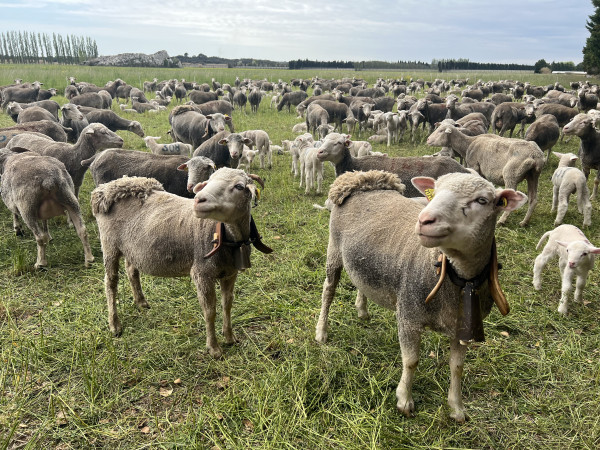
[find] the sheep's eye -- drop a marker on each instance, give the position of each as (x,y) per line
(239,187)
(584,254)
(482,201)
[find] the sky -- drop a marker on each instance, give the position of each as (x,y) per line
(504,31)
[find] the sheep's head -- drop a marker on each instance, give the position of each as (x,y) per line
(579,252)
(199,169)
(227,195)
(462,210)
(235,143)
(579,125)
(333,148)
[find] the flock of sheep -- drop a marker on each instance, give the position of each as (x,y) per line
(415,234)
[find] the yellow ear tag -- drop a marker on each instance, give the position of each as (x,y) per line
(429,193)
(504,202)
(257,194)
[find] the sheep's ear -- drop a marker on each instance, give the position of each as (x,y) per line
(227,117)
(90,131)
(183,167)
(558,154)
(199,187)
(562,243)
(425,185)
(595,250)
(448,130)
(509,199)
(574,158)
(247,141)
(223,142)
(347,142)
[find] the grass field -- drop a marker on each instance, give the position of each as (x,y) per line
(65,382)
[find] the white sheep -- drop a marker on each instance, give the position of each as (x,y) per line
(300,128)
(312,166)
(247,158)
(568,180)
(576,256)
(175,148)
(297,147)
(394,267)
(260,140)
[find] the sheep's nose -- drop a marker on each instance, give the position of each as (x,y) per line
(426,219)
(572,264)
(198,199)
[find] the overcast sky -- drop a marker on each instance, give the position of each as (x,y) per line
(520,31)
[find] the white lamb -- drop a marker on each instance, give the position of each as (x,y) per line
(312,166)
(566,181)
(247,158)
(576,257)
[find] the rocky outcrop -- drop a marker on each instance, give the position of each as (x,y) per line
(158,59)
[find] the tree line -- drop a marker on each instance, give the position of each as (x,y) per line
(28,47)
(439,65)
(464,64)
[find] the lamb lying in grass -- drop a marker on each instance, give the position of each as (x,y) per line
(568,180)
(576,256)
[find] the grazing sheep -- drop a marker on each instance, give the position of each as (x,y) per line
(135,220)
(297,147)
(240,99)
(37,188)
(70,92)
(217,107)
(503,161)
(114,122)
(291,98)
(589,149)
(507,116)
(254,98)
(372,236)
(19,94)
(338,112)
(51,129)
(194,128)
(91,99)
(566,181)
(175,148)
(260,140)
(200,97)
(576,256)
(177,174)
(544,132)
(335,148)
(316,115)
(94,138)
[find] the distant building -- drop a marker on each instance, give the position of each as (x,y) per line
(570,72)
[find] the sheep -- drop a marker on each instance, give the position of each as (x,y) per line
(544,132)
(335,148)
(217,107)
(70,92)
(37,188)
(372,236)
(587,100)
(338,112)
(144,107)
(48,105)
(194,128)
(507,116)
(396,126)
(312,166)
(274,100)
(563,114)
(595,115)
(177,174)
(502,161)
(51,129)
(74,119)
(94,138)
(300,128)
(254,98)
(359,148)
(114,122)
(150,86)
(567,180)
(576,256)
(32,114)
(124,92)
(224,148)
(291,98)
(19,95)
(110,87)
(175,148)
(240,99)
(91,99)
(316,115)
(260,140)
(589,148)
(246,158)
(200,97)
(135,220)
(300,144)
(106,99)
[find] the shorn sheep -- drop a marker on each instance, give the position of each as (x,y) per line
(389,245)
(576,256)
(135,221)
(173,148)
(567,180)
(37,188)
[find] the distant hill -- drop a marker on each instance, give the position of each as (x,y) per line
(201,58)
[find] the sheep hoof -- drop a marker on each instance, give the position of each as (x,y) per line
(459,416)
(321,337)
(408,408)
(141,305)
(117,330)
(216,352)
(562,309)
(524,223)
(88,262)
(19,232)
(41,266)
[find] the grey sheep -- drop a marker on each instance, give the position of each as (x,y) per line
(32,114)
(49,105)
(37,188)
(582,125)
(503,161)
(335,148)
(135,218)
(544,131)
(19,95)
(177,174)
(51,129)
(291,99)
(90,99)
(389,246)
(94,138)
(73,118)
(114,122)
(194,128)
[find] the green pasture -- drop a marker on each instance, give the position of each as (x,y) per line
(65,382)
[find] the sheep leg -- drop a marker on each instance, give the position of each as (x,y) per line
(270,158)
(17,225)
(111,282)
(540,262)
(532,187)
(563,205)
(566,288)
(227,285)
(208,301)
(579,285)
(136,287)
(457,361)
(77,222)
(555,192)
(410,342)
(361,306)
(596,182)
(319,176)
(261,155)
(334,270)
